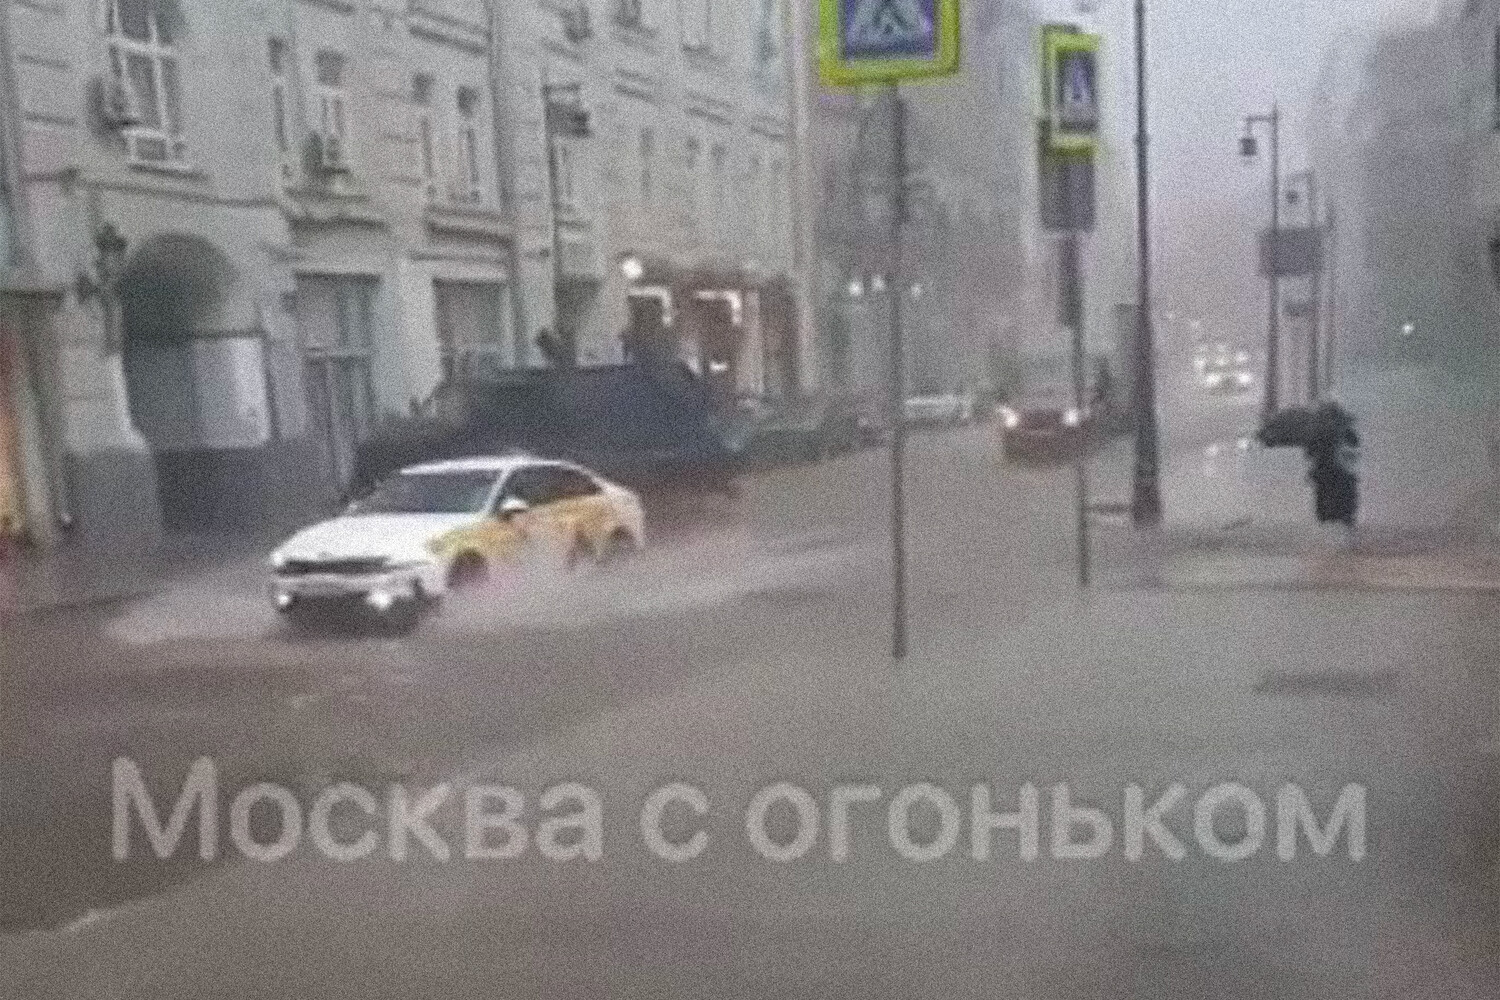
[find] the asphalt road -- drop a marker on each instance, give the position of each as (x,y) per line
(748,647)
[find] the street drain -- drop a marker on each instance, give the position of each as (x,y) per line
(1339,683)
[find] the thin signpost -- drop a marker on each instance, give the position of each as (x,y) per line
(1068,144)
(883,42)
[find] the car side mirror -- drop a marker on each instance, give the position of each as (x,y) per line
(512,507)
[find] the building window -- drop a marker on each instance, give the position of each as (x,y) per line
(332,104)
(776,200)
(143,61)
(1496,73)
(648,157)
(697,24)
(768,37)
(567,189)
(276,56)
(693,164)
(473,335)
(336,320)
(470,189)
(421,98)
(753,197)
(719,164)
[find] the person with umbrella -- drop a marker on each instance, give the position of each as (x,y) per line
(1328,437)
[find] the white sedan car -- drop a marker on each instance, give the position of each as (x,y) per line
(441,526)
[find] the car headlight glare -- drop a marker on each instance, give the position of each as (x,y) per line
(1073,418)
(1010,418)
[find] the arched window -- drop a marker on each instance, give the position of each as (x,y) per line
(143,36)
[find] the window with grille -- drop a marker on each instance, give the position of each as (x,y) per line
(332,109)
(143,60)
(421,98)
(470,188)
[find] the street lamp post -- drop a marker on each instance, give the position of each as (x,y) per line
(1145,504)
(1249,150)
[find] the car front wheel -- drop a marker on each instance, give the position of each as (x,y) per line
(468,571)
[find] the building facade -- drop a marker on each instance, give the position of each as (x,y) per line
(968,267)
(669,222)
(254,230)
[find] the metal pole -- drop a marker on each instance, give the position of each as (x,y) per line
(548,90)
(1333,300)
(1314,365)
(1146,491)
(896,289)
(1273,336)
(1072,303)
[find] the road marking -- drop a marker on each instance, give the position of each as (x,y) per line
(91,917)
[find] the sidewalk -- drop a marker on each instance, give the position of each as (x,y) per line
(1239,515)
(66,577)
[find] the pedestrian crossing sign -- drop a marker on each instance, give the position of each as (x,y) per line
(1070,90)
(882,41)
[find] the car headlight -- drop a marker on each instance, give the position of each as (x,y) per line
(1010,418)
(1073,418)
(1214,380)
(1243,378)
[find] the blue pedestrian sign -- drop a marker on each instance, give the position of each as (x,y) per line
(1070,90)
(883,29)
(873,41)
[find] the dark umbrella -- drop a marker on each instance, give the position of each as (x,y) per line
(1301,427)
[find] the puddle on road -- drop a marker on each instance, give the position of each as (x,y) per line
(692,571)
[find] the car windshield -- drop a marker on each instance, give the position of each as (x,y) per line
(429,493)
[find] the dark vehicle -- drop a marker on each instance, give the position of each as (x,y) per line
(652,427)
(1045,426)
(806,429)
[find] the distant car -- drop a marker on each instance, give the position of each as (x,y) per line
(432,529)
(1229,382)
(1045,425)
(805,429)
(940,408)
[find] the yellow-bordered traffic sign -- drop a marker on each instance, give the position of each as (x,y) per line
(1070,90)
(883,41)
